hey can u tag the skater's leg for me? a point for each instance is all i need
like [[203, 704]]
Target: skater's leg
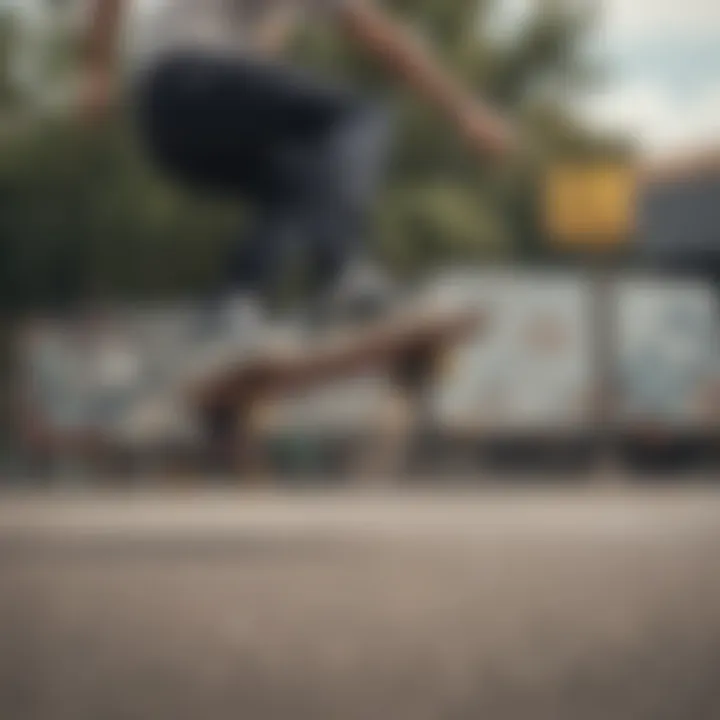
[[306, 153], [257, 255], [342, 190], [319, 182], [229, 124]]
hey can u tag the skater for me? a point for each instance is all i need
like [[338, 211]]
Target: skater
[[220, 111]]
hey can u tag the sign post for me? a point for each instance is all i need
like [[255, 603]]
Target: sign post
[[590, 213], [590, 208]]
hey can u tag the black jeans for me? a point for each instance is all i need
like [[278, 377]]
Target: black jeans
[[308, 155]]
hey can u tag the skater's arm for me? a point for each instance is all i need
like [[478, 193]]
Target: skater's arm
[[407, 57], [103, 34], [100, 57]]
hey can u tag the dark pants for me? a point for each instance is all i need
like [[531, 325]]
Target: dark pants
[[308, 155]]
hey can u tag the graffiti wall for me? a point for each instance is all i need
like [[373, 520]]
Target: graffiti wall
[[531, 368]]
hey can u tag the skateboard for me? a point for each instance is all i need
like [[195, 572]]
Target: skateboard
[[409, 347], [399, 344]]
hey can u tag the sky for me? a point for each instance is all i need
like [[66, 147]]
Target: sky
[[663, 59]]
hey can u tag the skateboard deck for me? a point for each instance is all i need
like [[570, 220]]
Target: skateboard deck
[[391, 343]]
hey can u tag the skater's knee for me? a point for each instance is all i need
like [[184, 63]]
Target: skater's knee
[[356, 152]]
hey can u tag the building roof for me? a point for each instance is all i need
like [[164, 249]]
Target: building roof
[[684, 166]]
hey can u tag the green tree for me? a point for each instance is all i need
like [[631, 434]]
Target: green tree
[[82, 217], [9, 90]]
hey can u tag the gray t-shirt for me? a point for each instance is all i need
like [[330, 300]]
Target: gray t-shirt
[[159, 26]]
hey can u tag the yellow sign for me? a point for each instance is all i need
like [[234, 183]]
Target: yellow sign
[[591, 205]]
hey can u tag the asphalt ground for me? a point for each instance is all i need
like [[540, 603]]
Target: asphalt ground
[[560, 604]]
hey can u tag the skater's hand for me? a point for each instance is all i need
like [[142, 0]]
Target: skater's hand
[[490, 135], [96, 96]]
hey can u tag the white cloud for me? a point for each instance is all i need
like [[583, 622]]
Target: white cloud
[[624, 20], [508, 17], [665, 89], [655, 119]]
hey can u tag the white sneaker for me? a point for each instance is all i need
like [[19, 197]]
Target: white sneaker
[[241, 319], [237, 329]]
